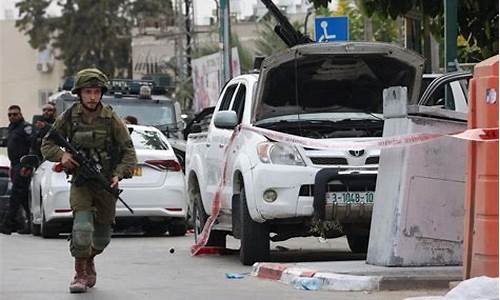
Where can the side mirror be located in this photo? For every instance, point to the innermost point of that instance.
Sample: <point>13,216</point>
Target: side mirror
<point>4,131</point>
<point>226,119</point>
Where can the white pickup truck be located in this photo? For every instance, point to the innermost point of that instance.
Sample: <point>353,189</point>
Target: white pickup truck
<point>275,191</point>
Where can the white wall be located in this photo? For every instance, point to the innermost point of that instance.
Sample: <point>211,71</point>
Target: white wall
<point>20,81</point>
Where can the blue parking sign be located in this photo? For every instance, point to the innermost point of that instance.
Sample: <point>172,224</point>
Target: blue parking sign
<point>331,29</point>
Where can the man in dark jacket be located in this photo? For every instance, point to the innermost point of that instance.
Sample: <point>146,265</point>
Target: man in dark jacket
<point>19,140</point>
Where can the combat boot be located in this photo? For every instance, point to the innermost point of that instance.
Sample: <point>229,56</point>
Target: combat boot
<point>79,283</point>
<point>90,268</point>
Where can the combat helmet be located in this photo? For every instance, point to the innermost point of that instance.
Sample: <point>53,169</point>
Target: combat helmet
<point>90,77</point>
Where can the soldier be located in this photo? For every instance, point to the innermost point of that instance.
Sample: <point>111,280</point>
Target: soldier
<point>19,140</point>
<point>98,132</point>
<point>43,126</point>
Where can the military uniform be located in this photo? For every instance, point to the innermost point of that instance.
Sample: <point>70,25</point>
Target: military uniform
<point>105,140</point>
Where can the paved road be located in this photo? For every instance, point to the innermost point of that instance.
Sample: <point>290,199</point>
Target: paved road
<point>136,267</point>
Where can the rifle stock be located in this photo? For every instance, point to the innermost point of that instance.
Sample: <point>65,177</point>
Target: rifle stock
<point>88,168</point>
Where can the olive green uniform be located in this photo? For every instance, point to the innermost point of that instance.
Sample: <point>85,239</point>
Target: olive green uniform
<point>105,140</point>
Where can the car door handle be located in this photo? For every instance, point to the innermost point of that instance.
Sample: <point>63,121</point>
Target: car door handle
<point>221,145</point>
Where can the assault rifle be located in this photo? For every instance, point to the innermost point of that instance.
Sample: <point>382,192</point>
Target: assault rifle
<point>284,29</point>
<point>88,169</point>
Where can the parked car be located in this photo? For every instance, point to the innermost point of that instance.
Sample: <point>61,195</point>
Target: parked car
<point>155,193</point>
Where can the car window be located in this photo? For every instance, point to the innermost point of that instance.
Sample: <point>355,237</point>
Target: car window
<point>228,95</point>
<point>437,98</point>
<point>148,139</point>
<point>239,102</point>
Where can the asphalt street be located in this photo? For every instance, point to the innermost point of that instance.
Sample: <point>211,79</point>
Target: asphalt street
<point>137,267</point>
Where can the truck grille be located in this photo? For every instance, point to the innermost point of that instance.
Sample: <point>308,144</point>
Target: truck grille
<point>329,160</point>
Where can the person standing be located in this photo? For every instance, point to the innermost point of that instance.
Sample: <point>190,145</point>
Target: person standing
<point>19,140</point>
<point>99,133</point>
<point>43,126</point>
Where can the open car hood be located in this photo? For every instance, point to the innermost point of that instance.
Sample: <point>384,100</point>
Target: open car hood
<point>334,77</point>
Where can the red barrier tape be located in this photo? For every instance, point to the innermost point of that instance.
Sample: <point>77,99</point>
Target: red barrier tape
<point>477,134</point>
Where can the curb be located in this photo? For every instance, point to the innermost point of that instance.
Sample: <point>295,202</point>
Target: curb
<point>329,281</point>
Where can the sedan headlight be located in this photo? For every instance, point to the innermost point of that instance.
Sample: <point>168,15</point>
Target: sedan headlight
<point>279,153</point>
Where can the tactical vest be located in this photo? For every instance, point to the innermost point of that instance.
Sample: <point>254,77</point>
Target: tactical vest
<point>94,140</point>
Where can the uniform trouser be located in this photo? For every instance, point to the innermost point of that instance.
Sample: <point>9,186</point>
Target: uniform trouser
<point>93,215</point>
<point>18,197</point>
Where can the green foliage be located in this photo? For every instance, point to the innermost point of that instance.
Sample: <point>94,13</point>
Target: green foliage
<point>477,21</point>
<point>88,33</point>
<point>478,24</point>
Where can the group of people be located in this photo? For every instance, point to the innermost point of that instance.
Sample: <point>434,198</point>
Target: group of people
<point>98,132</point>
<point>23,138</point>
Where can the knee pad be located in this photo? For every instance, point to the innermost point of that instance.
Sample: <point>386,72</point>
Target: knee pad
<point>83,228</point>
<point>102,236</point>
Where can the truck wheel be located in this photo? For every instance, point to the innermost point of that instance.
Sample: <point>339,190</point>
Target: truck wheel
<point>216,238</point>
<point>254,236</point>
<point>358,243</point>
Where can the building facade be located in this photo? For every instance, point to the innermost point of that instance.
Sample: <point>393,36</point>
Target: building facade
<point>27,77</point>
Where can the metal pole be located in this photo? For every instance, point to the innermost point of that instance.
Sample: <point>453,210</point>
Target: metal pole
<point>226,40</point>
<point>450,45</point>
<point>450,35</point>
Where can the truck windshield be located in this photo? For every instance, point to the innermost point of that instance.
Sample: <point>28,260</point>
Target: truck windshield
<point>153,114</point>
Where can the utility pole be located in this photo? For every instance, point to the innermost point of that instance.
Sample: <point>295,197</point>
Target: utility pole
<point>450,35</point>
<point>450,45</point>
<point>183,50</point>
<point>225,36</point>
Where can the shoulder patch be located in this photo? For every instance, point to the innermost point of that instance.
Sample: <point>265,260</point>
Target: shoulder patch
<point>28,129</point>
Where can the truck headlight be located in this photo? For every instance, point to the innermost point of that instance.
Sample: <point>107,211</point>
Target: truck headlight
<point>279,153</point>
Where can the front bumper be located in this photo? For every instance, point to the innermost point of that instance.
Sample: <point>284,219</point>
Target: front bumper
<point>301,192</point>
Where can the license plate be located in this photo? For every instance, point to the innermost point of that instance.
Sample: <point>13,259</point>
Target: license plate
<point>350,197</point>
<point>138,171</point>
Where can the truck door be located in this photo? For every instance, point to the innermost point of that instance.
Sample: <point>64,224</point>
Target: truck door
<point>237,105</point>
<point>216,141</point>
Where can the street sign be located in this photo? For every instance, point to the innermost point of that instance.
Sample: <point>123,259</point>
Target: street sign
<point>331,29</point>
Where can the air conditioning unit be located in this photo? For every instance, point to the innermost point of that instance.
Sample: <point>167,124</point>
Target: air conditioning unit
<point>43,67</point>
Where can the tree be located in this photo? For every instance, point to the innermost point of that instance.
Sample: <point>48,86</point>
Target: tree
<point>477,20</point>
<point>88,33</point>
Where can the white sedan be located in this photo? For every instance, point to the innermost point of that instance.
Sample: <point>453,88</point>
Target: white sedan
<point>155,193</point>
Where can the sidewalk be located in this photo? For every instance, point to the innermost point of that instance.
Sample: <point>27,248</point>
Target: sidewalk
<point>359,276</point>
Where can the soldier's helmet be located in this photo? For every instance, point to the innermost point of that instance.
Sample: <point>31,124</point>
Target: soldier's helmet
<point>90,78</point>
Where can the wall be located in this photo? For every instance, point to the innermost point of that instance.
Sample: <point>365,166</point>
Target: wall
<point>20,81</point>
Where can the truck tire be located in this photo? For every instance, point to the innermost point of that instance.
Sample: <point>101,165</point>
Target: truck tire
<point>358,243</point>
<point>200,217</point>
<point>254,236</point>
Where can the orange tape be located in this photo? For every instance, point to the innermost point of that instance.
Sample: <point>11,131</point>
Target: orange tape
<point>477,134</point>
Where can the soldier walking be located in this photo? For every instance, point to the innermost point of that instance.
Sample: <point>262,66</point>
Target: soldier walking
<point>99,133</point>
